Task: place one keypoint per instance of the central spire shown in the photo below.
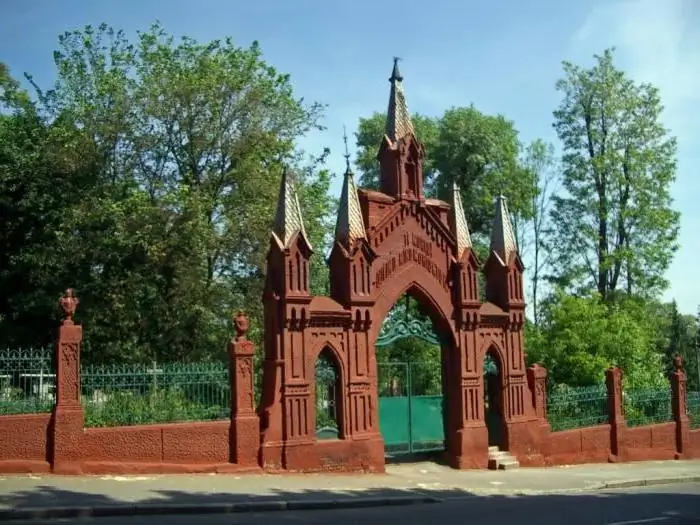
(400, 154)
(398, 119)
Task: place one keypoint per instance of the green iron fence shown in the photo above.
(27, 381)
(647, 406)
(693, 409)
(157, 393)
(576, 407)
(411, 407)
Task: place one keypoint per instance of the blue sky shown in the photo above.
(502, 55)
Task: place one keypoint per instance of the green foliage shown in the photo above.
(147, 179)
(569, 408)
(27, 383)
(409, 336)
(163, 406)
(647, 406)
(327, 389)
(615, 226)
(693, 409)
(580, 337)
(116, 395)
(370, 134)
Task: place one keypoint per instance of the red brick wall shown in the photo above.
(24, 443)
(582, 445)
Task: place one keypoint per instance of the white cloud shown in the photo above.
(657, 41)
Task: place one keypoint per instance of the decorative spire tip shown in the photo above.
(347, 152)
(395, 73)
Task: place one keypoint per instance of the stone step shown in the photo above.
(501, 460)
(509, 464)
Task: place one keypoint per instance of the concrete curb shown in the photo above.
(649, 482)
(49, 513)
(126, 510)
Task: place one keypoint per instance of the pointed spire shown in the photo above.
(347, 152)
(288, 220)
(502, 237)
(458, 222)
(350, 225)
(398, 119)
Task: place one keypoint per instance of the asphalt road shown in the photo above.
(662, 505)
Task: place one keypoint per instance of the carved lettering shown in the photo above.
(419, 250)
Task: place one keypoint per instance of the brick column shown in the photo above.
(537, 381)
(616, 418)
(244, 436)
(68, 418)
(679, 402)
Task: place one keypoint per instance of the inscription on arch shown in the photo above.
(417, 249)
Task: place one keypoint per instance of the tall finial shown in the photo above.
(395, 73)
(347, 152)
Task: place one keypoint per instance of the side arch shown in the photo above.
(337, 393)
(491, 346)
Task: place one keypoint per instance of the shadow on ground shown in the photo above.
(666, 505)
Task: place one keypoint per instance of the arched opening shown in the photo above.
(328, 396)
(493, 398)
(410, 353)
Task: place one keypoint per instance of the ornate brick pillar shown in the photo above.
(68, 418)
(244, 436)
(616, 417)
(537, 381)
(679, 403)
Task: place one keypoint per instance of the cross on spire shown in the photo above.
(347, 152)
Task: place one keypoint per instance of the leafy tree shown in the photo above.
(580, 337)
(42, 167)
(681, 330)
(615, 225)
(188, 142)
(479, 152)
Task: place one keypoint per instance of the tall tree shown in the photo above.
(534, 234)
(580, 336)
(171, 235)
(616, 228)
(43, 167)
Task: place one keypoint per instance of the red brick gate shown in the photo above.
(389, 243)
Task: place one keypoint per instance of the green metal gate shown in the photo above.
(410, 394)
(410, 417)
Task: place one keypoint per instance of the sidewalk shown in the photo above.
(31, 496)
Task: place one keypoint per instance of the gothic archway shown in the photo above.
(411, 378)
(493, 381)
(329, 399)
